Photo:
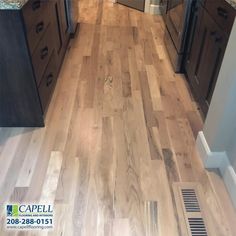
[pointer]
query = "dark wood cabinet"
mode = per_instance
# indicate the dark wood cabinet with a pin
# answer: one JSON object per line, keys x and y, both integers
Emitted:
{"x": 19, "y": 102}
{"x": 34, "y": 39}
{"x": 61, "y": 23}
{"x": 204, "y": 61}
{"x": 63, "y": 18}
{"x": 48, "y": 81}
{"x": 212, "y": 41}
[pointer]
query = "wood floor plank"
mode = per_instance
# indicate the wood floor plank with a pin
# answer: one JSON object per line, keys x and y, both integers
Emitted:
{"x": 121, "y": 227}
{"x": 4, "y": 135}
{"x": 154, "y": 88}
{"x": 76, "y": 146}
{"x": 105, "y": 164}
{"x": 81, "y": 195}
{"x": 133, "y": 69}
{"x": 30, "y": 160}
{"x": 128, "y": 197}
{"x": 51, "y": 178}
{"x": 151, "y": 216}
{"x": 158, "y": 177}
{"x": 93, "y": 220}
{"x": 147, "y": 101}
{"x": 10, "y": 164}
{"x": 9, "y": 152}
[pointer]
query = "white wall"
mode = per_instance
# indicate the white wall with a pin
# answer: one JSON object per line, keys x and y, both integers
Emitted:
{"x": 220, "y": 125}
{"x": 217, "y": 143}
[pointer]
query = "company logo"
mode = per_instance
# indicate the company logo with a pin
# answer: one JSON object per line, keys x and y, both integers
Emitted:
{"x": 19, "y": 210}
{"x": 12, "y": 210}
{"x": 29, "y": 216}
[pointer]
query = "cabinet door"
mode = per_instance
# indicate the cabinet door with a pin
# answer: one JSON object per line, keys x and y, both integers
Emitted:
{"x": 205, "y": 59}
{"x": 175, "y": 21}
{"x": 57, "y": 35}
{"x": 63, "y": 18}
{"x": 61, "y": 35}
{"x": 213, "y": 44}
{"x": 191, "y": 50}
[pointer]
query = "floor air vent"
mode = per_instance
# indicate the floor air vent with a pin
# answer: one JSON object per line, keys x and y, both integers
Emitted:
{"x": 197, "y": 227}
{"x": 190, "y": 200}
{"x": 189, "y": 208}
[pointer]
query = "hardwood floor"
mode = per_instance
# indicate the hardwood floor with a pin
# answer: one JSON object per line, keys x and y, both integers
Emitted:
{"x": 119, "y": 135}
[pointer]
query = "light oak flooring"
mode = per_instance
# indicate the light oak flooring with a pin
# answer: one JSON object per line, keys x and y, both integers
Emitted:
{"x": 120, "y": 130}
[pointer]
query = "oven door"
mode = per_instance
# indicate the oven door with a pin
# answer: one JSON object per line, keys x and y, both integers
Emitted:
{"x": 163, "y": 6}
{"x": 176, "y": 21}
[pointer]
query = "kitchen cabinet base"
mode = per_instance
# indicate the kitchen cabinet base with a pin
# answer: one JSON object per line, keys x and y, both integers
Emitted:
{"x": 175, "y": 58}
{"x": 29, "y": 64}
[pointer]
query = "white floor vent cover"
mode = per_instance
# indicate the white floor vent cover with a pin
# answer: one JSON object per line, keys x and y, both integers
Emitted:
{"x": 189, "y": 207}
{"x": 197, "y": 227}
{"x": 190, "y": 200}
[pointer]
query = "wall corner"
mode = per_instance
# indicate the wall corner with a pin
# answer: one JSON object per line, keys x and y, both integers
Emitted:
{"x": 217, "y": 160}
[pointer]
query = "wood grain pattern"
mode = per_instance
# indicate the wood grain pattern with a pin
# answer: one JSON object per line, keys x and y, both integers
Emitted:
{"x": 120, "y": 131}
{"x": 151, "y": 216}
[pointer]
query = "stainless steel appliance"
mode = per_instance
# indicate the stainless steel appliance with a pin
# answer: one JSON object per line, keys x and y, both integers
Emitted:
{"x": 137, "y": 4}
{"x": 177, "y": 20}
{"x": 163, "y": 8}
{"x": 72, "y": 8}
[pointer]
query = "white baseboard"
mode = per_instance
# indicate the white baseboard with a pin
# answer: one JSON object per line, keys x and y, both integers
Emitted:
{"x": 217, "y": 160}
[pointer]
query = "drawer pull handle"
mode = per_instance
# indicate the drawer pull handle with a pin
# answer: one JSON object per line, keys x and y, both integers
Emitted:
{"x": 39, "y": 27}
{"x": 36, "y": 5}
{"x": 222, "y": 12}
{"x": 44, "y": 53}
{"x": 49, "y": 80}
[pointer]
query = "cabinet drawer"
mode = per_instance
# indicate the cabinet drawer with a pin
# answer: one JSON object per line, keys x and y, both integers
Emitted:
{"x": 37, "y": 30}
{"x": 222, "y": 13}
{"x": 42, "y": 54}
{"x": 48, "y": 82}
{"x": 33, "y": 10}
